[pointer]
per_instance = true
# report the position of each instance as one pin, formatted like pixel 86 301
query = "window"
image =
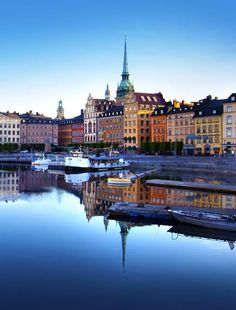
pixel 233 98
pixel 229 109
pixel 228 132
pixel 229 119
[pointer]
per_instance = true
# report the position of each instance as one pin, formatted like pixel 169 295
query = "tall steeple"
pixel 107 93
pixel 60 110
pixel 125 85
pixel 125 73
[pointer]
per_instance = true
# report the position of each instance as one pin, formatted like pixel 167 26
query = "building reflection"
pixel 9 185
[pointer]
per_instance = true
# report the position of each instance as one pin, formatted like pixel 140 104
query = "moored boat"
pixel 119 181
pixel 41 161
pixel 78 161
pixel 205 219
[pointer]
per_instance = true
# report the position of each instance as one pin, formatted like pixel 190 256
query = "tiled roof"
pixel 160 111
pixel 114 111
pixel 232 98
pixel 182 109
pixel 210 110
pixel 150 98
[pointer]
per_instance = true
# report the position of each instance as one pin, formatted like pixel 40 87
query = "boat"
pixel 41 161
pixel 205 219
pixel 79 161
pixel 119 181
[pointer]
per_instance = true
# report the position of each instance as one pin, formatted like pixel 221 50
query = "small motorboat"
pixel 41 161
pixel 205 219
pixel 119 181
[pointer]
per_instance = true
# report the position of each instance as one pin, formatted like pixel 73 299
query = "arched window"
pixel 210 128
pixel 85 129
pixel 94 127
pixel 89 127
pixel 216 128
pixel 204 130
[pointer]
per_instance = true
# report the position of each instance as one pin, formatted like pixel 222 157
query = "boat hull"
pixel 211 224
pixel 93 169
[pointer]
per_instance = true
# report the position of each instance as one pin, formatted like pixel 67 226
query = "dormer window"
pixel 161 111
pixel 200 113
pixel 214 111
pixel 149 99
pixel 233 98
pixel 143 98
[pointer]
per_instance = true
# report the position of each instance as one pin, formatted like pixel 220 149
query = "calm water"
pixel 59 251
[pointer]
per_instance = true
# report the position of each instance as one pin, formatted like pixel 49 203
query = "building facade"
pixel 180 127
pixel 229 125
pixel 93 108
pixel 38 129
pixel 138 108
pixel 111 125
pixel 158 125
pixel 9 128
pixel 71 130
pixel 208 127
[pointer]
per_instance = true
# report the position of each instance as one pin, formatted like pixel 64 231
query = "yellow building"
pixel 138 108
pixel 208 127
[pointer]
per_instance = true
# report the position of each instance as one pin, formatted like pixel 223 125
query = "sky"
pixel 66 49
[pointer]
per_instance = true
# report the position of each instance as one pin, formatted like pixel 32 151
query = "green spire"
pixel 125 85
pixel 125 73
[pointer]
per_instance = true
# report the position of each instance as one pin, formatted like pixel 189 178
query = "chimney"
pixel 82 111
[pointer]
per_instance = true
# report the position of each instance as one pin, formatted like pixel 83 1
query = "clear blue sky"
pixel 66 49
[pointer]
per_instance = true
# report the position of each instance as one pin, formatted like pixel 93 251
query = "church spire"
pixel 107 93
pixel 125 73
pixel 125 85
pixel 60 110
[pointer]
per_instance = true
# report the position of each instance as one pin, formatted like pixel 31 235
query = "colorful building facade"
pixel 229 125
pixel 158 125
pixel 9 128
pixel 208 127
pixel 110 125
pixel 38 129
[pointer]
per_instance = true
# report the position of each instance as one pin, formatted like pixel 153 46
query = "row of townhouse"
pixel 30 128
pixel 207 127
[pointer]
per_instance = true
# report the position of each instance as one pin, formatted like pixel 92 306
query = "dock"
pixel 207 187
pixel 132 211
pixel 157 214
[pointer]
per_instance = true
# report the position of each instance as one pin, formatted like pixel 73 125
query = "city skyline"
pixel 66 50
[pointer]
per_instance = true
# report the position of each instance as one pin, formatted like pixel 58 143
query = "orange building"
pixel 158 125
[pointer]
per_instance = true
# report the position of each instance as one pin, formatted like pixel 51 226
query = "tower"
pixel 125 85
pixel 60 111
pixel 107 93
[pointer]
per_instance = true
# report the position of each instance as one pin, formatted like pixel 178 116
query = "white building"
pixel 9 128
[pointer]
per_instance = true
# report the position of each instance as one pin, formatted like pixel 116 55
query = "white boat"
pixel 79 161
pixel 119 181
pixel 41 161
pixel 205 219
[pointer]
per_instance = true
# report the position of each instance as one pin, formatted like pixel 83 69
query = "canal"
pixel 59 250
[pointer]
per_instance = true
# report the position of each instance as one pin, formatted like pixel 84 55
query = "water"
pixel 59 251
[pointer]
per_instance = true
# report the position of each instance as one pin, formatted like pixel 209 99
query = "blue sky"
pixel 66 49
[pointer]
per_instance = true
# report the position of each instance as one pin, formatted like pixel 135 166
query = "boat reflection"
pixel 203 233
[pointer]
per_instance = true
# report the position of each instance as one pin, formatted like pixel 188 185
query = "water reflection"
pixel 58 247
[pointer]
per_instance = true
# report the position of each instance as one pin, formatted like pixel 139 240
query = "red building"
pixel 71 130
